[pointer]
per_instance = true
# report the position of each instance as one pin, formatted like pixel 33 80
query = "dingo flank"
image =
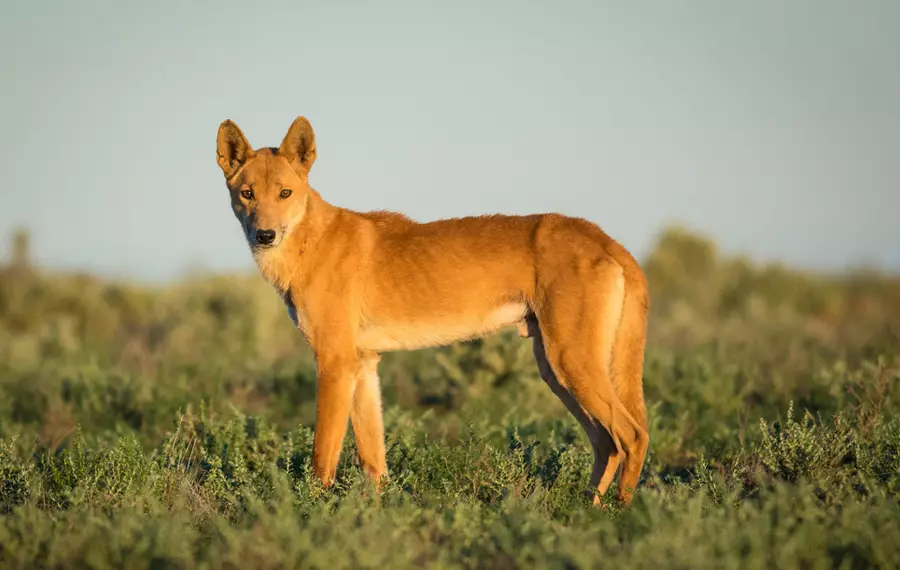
pixel 360 283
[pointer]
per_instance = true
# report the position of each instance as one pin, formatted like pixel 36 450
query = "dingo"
pixel 360 283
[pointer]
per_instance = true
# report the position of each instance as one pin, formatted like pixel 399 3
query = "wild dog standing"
pixel 360 283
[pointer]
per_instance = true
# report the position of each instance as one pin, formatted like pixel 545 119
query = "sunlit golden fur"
pixel 360 283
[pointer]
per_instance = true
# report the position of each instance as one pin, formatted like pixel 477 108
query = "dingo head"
pixel 269 187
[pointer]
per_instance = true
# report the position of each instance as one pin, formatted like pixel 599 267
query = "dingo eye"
pixel 247 194
pixel 285 193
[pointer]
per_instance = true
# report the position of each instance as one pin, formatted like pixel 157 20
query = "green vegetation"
pixel 172 428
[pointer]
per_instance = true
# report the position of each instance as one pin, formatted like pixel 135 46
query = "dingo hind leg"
pixel 604 448
pixel 579 323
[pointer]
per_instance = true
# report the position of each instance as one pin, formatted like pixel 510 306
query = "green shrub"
pixel 172 427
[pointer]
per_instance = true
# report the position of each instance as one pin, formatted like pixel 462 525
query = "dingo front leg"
pixel 366 418
pixel 336 380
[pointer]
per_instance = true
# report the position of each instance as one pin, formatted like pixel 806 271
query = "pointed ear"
pixel 232 149
pixel 299 144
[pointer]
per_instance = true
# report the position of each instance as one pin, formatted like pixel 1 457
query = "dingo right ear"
pixel 232 150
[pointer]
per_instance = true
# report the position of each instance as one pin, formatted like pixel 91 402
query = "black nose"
pixel 265 237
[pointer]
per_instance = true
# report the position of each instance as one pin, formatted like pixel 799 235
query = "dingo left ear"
pixel 232 149
pixel 299 144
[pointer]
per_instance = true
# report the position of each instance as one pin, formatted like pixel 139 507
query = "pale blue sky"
pixel 772 125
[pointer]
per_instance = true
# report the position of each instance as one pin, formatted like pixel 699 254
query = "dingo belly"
pixel 431 331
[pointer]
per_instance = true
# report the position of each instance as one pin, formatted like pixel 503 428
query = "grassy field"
pixel 172 427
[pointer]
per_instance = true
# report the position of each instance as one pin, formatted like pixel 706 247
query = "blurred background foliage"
pixel 186 411
pixel 78 349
